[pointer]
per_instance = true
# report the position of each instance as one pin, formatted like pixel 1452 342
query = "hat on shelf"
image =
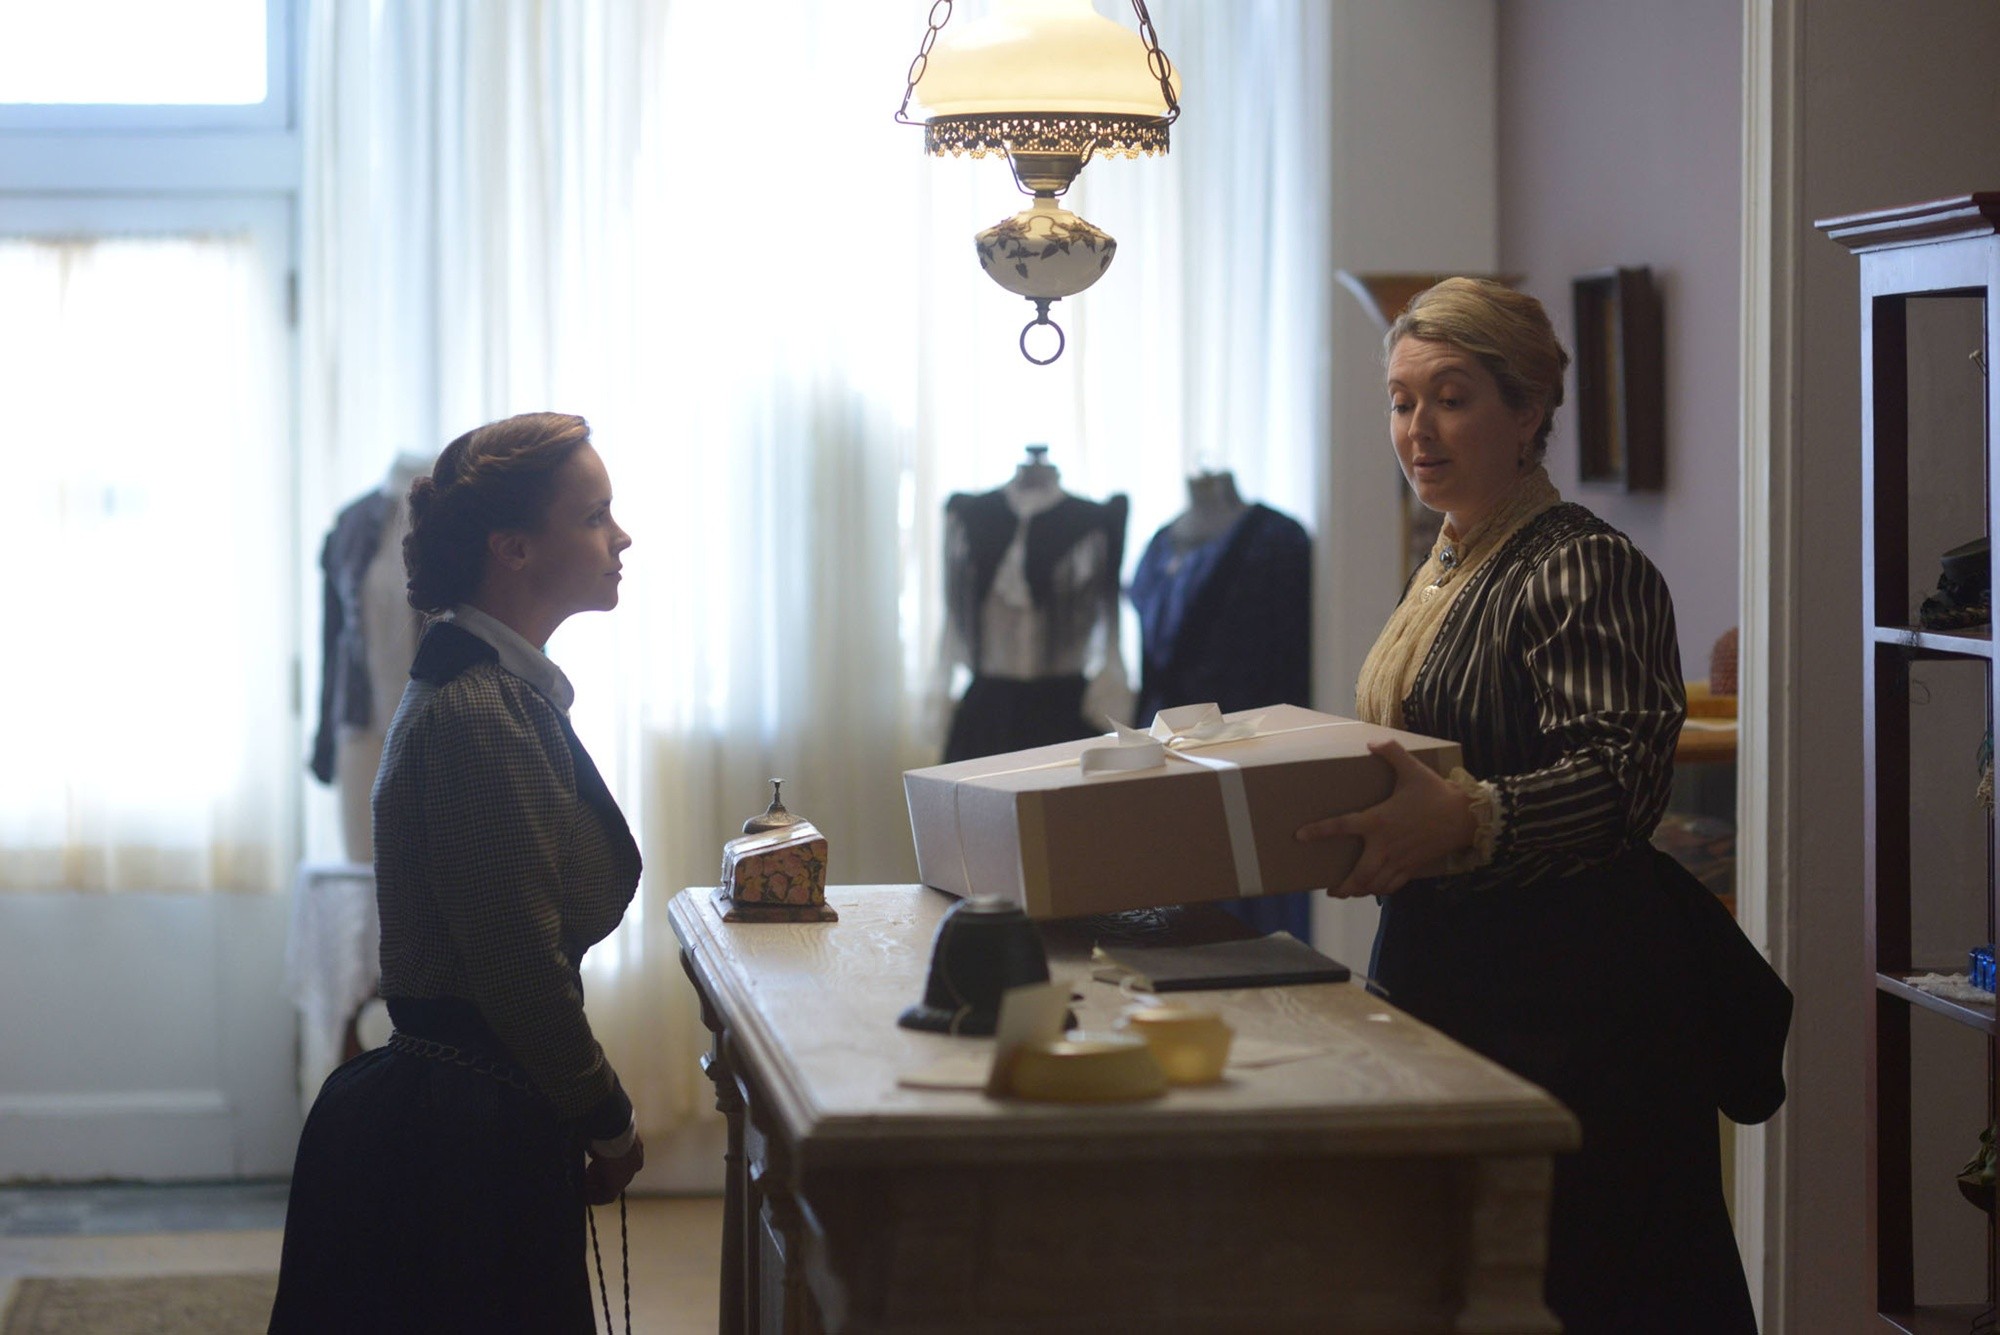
pixel 1964 595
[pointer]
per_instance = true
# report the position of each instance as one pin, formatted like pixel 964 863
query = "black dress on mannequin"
pixel 1031 585
pixel 1224 596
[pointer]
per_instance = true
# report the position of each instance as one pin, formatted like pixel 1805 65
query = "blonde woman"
pixel 1543 642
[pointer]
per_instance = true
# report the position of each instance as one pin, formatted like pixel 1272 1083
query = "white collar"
pixel 519 657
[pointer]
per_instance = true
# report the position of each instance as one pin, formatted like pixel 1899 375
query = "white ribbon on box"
pixel 1175 733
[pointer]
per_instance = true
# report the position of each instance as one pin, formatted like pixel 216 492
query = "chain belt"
pixel 454 1056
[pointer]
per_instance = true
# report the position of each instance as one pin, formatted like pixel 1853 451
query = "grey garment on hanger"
pixel 346 697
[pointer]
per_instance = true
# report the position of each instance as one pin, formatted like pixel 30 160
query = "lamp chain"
pixel 1156 61
pixel 939 16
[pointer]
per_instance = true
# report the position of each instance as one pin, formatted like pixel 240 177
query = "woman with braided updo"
pixel 442 1180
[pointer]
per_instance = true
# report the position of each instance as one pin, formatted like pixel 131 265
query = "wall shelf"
pixel 1944 1319
pixel 1934 644
pixel 1976 1017
pixel 1915 252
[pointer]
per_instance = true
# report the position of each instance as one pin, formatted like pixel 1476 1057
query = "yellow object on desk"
pixel 1192 1045
pixel 1087 1068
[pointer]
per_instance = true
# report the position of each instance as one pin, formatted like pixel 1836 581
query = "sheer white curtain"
pixel 698 225
pixel 144 502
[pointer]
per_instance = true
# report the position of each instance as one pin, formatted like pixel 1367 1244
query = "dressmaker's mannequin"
pixel 370 639
pixel 1213 507
pixel 1031 576
pixel 1036 481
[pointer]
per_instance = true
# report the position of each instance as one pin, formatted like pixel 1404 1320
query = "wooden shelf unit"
pixel 1945 248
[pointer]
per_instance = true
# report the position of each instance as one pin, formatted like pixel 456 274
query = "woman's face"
pixel 1460 445
pixel 573 559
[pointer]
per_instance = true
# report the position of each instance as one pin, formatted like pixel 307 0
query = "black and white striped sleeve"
pixel 1594 632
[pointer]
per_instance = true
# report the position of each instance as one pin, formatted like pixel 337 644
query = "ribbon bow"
pixel 1178 729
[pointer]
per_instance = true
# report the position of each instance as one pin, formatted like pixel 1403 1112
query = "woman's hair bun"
pixel 422 492
pixel 500 476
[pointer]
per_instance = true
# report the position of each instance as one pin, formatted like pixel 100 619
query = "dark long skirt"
pixel 1583 986
pixel 429 1196
pixel 1001 714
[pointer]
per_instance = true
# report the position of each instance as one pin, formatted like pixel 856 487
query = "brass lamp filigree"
pixel 1047 84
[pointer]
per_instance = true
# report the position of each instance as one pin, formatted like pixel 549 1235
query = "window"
pixel 149 171
pixel 144 65
pixel 146 520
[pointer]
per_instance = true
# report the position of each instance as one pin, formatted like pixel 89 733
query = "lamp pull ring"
pixel 1042 305
pixel 939 16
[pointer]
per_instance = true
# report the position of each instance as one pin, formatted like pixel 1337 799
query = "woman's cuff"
pixel 1485 800
pixel 617 1147
pixel 609 1118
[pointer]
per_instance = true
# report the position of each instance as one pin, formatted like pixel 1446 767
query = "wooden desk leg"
pixel 1508 1247
pixel 791 1296
pixel 732 1315
pixel 791 1226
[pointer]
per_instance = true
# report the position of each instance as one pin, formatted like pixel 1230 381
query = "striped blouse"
pixel 1557 670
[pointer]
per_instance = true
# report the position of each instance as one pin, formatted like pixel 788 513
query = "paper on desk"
pixel 959 1070
pixel 1030 1014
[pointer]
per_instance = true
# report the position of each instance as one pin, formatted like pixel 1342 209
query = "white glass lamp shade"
pixel 1046 69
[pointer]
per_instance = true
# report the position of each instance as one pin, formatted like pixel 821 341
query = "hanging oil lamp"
pixel 1047 84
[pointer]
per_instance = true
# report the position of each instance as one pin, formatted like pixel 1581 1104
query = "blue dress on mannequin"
pixel 1225 616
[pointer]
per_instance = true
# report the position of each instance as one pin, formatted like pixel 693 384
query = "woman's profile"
pixel 441 1180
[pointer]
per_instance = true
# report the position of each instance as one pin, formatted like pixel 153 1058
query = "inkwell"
pixel 984 945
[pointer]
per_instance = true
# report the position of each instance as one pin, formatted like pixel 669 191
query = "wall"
pixel 1893 105
pixel 148 1036
pixel 1412 190
pixel 1619 146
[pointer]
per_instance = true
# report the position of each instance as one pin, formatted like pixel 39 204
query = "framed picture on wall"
pixel 1620 379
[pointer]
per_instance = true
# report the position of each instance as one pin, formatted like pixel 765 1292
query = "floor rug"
pixel 141 1305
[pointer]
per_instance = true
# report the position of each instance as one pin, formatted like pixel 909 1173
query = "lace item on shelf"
pixel 1952 987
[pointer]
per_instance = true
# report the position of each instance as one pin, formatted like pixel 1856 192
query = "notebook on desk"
pixel 1277 960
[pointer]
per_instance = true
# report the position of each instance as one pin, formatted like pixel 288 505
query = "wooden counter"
pixel 1397 1182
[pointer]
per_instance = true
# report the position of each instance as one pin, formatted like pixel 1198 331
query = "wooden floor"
pixel 675 1243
